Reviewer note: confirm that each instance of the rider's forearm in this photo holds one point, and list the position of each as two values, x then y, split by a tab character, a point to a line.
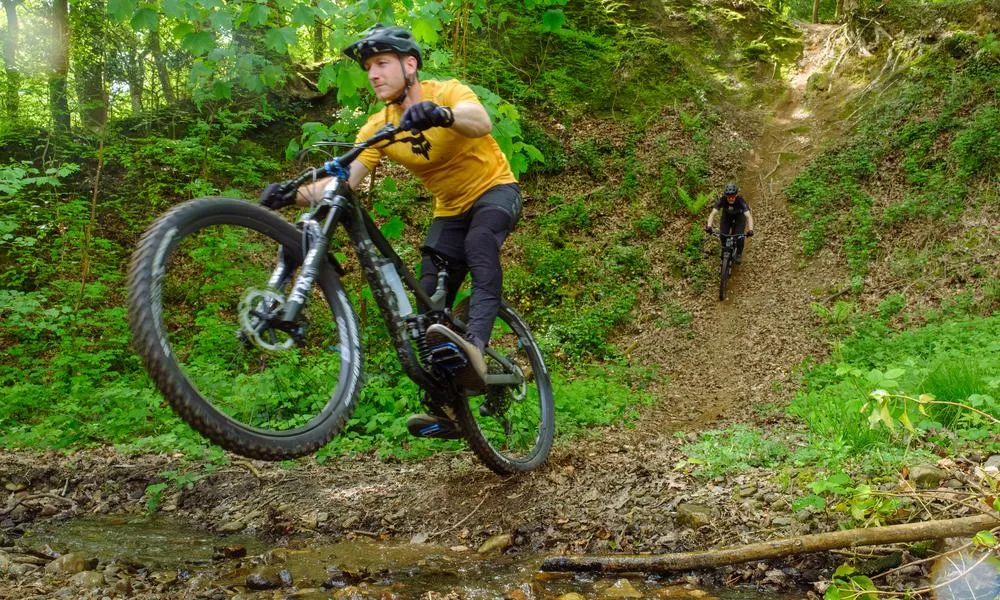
314	190
471	120
711	217
749	221
311	190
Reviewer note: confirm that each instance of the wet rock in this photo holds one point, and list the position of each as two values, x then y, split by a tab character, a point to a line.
266	578
498	543
223	552
516	595
123	587
87	580
164	578
231	526
782	521
974	457
746	491
992	462
622	588
310	520
953	484
775	577
926	476
693	515
18	569
571	596
419	538
771	497
71	563
459	548
349	522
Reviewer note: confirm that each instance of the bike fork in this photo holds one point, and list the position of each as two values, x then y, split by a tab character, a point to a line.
315	243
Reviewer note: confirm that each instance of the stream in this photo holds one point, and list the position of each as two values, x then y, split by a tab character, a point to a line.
196	563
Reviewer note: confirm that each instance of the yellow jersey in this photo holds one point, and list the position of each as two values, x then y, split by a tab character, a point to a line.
456	169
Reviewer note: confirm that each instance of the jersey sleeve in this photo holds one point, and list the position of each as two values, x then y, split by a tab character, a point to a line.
720	202
454	92
745	207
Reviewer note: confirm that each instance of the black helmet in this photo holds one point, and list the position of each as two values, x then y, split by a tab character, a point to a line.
731	189
381	39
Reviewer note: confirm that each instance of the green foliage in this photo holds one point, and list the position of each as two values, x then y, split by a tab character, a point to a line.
939	124
858	503
738	448
951	361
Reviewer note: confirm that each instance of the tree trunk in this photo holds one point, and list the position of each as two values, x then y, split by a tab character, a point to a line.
135	72
59	66
318	41
893	534
11	99
815	11
161	66
89	35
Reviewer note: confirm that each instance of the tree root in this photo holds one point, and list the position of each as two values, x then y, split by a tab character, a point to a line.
658	563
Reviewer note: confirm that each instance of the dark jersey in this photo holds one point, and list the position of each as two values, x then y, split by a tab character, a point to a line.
736	209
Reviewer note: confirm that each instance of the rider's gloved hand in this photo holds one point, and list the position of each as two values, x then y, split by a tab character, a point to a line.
424	115
708	229
750	233
278	195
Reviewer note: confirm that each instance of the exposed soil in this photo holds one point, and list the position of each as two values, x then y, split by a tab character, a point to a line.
618	491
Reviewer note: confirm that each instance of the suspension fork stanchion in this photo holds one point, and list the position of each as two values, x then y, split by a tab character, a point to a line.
316	241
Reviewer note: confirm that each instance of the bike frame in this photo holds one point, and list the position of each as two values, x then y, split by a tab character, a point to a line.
339	207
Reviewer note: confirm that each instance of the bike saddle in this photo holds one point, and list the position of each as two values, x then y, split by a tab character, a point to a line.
440	260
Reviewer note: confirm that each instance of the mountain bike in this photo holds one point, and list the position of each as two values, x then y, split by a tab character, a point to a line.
728	258
244	324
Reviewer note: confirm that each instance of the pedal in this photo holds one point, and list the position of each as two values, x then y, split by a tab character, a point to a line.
447	355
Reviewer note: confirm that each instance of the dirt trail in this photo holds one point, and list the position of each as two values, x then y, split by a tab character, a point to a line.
745	349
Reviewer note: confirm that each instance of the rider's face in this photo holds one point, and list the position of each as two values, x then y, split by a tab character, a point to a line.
731	198
385	74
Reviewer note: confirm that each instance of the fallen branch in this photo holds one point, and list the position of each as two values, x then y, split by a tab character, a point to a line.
893	534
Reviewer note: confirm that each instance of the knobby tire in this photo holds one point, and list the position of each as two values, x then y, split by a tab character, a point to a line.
538	431
150	268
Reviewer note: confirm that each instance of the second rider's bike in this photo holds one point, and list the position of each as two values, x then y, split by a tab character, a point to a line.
728	257
244	324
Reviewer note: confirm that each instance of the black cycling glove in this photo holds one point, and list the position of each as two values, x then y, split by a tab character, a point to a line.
278	195
424	115
750	233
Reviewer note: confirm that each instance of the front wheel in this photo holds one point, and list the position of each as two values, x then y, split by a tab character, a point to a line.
724	269
512	425
204	304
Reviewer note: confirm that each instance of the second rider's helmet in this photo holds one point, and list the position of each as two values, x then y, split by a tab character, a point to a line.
380	39
731	189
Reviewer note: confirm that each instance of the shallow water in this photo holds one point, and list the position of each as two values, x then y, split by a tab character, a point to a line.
369	568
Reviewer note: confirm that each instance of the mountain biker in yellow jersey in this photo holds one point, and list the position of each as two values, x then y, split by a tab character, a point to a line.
735	216
477	200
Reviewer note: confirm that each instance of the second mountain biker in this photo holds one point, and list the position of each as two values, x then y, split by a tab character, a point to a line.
736	217
477	200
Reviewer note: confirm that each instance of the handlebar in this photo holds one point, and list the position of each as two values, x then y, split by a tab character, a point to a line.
721	235
338	167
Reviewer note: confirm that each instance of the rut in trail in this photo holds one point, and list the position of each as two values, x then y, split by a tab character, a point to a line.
744	350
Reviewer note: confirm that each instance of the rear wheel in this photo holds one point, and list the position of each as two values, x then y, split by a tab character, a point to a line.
204	319
512	425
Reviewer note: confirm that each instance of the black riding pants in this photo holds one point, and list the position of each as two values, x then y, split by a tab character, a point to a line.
733	225
471	241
